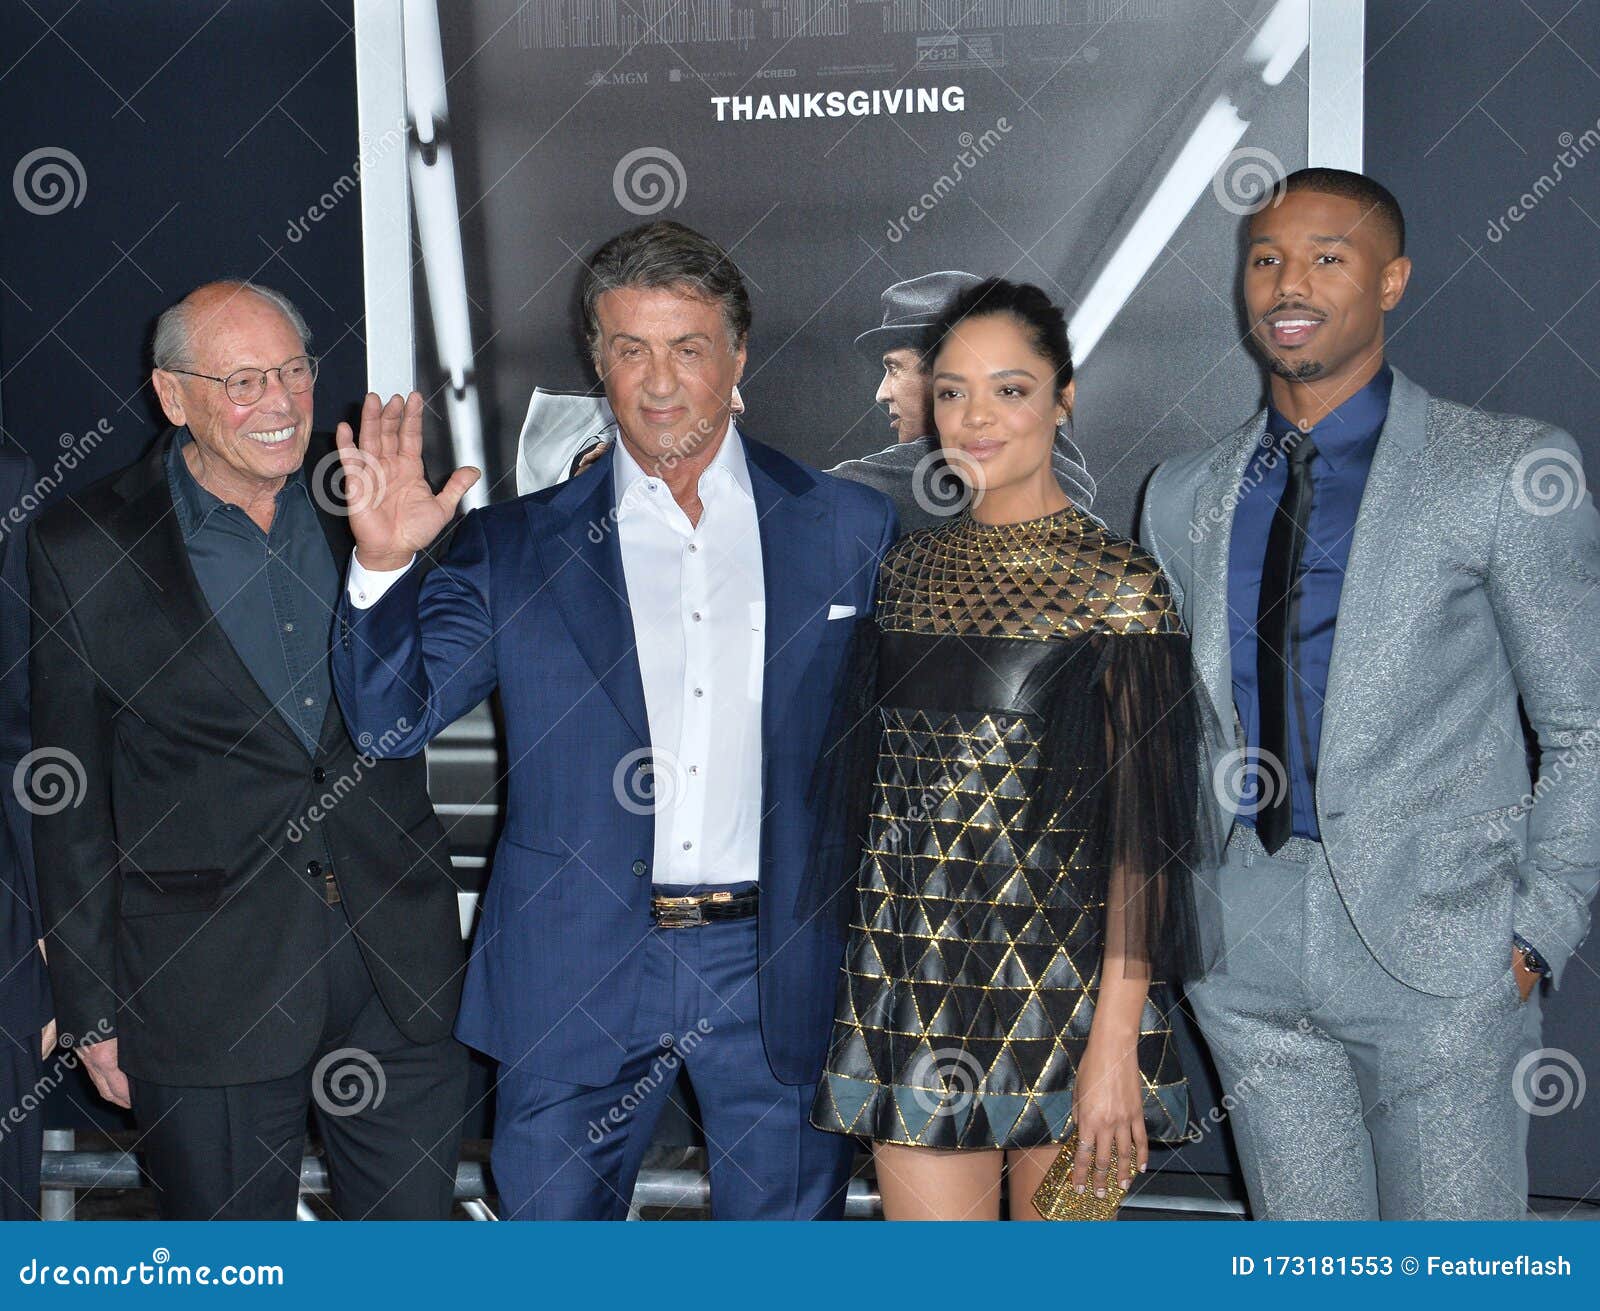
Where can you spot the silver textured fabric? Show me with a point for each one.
(1350, 1095)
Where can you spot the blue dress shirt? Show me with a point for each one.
(1345, 441)
(273, 592)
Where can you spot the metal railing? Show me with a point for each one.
(680, 1185)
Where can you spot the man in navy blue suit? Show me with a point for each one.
(666, 631)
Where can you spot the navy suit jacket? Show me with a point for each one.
(24, 991)
(530, 599)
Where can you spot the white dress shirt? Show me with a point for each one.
(698, 599)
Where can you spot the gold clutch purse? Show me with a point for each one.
(1057, 1199)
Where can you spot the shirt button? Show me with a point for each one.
(639, 867)
(314, 868)
(687, 845)
(319, 775)
(695, 616)
(694, 769)
(288, 628)
(699, 691)
(310, 701)
(693, 546)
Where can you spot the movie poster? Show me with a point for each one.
(1102, 149)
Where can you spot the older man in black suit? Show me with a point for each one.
(258, 911)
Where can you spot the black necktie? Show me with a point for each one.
(1280, 572)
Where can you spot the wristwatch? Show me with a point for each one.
(1531, 958)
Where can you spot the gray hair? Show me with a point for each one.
(172, 345)
(666, 254)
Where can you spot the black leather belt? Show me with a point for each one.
(699, 908)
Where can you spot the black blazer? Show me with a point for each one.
(24, 993)
(182, 893)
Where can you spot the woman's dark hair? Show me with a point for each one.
(1034, 312)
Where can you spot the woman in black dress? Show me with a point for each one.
(1028, 734)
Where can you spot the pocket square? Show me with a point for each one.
(841, 611)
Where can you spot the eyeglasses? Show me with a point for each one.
(245, 386)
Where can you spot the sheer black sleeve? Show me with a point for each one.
(1128, 753)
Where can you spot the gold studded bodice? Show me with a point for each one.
(1058, 576)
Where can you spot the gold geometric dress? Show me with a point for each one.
(1033, 756)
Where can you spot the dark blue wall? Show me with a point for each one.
(203, 132)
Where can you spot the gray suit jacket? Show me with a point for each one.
(1473, 581)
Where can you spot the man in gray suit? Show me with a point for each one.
(1373, 578)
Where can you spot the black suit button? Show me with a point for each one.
(639, 867)
(319, 775)
(314, 868)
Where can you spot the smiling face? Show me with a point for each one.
(904, 390)
(668, 367)
(1320, 273)
(996, 404)
(244, 448)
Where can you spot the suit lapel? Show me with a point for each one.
(148, 527)
(1391, 488)
(1215, 501)
(582, 559)
(336, 528)
(797, 551)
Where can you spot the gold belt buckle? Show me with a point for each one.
(684, 912)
